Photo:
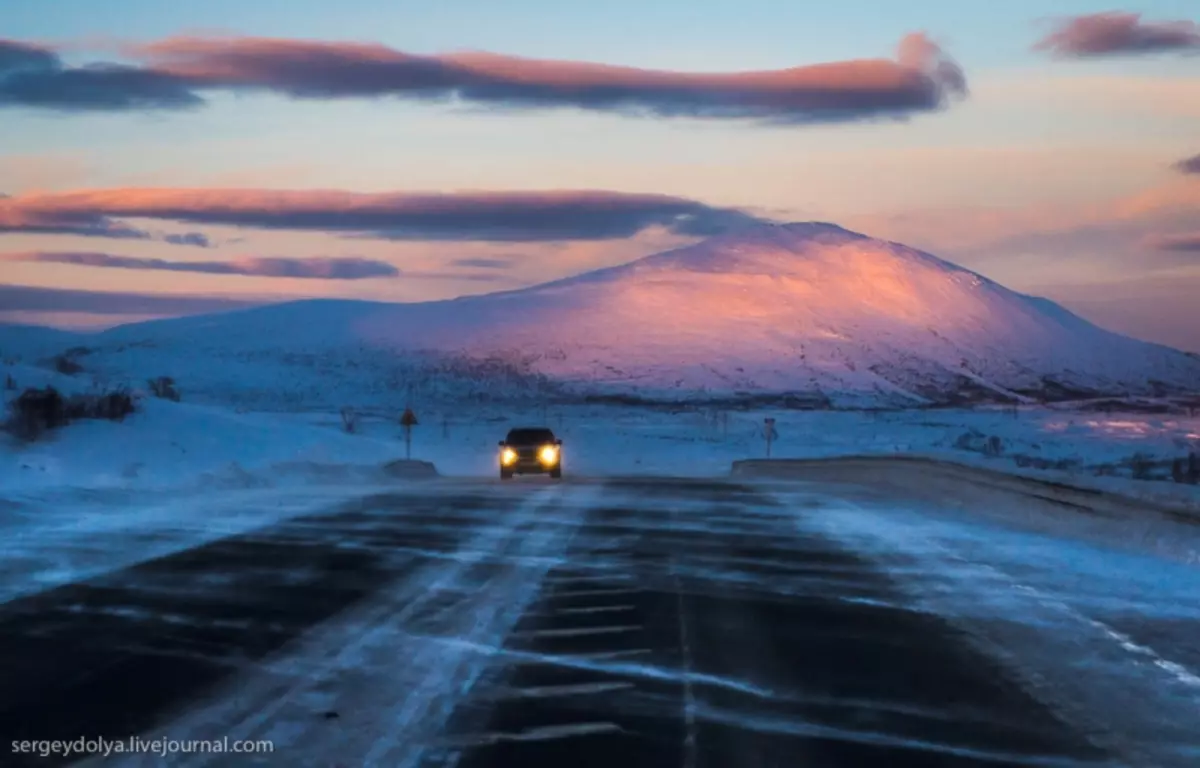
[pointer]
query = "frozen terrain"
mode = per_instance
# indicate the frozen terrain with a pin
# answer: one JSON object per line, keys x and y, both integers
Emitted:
{"x": 97, "y": 494}
{"x": 808, "y": 311}
{"x": 168, "y": 444}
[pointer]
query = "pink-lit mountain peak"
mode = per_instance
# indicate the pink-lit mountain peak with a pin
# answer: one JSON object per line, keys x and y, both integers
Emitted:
{"x": 814, "y": 250}
{"x": 806, "y": 308}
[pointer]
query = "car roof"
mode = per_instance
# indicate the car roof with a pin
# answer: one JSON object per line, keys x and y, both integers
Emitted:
{"x": 531, "y": 433}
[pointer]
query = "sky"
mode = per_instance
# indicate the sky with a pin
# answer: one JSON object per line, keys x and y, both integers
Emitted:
{"x": 161, "y": 158}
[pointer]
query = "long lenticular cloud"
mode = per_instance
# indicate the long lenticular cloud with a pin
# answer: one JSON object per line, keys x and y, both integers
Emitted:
{"x": 175, "y": 72}
{"x": 469, "y": 216}
{"x": 317, "y": 268}
{"x": 15, "y": 219}
{"x": 1115, "y": 33}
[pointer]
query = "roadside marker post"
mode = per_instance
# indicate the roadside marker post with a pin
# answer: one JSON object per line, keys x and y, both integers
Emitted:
{"x": 769, "y": 433}
{"x": 408, "y": 420}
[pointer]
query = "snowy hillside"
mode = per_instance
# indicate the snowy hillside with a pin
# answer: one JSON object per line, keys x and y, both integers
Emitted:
{"x": 809, "y": 310}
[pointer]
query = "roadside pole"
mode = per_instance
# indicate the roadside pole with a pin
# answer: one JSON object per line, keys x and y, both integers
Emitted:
{"x": 408, "y": 420}
{"x": 769, "y": 433}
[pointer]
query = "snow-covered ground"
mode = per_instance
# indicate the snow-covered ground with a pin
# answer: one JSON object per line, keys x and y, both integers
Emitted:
{"x": 169, "y": 444}
{"x": 176, "y": 444}
{"x": 176, "y": 474}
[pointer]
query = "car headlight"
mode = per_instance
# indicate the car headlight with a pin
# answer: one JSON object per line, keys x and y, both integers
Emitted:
{"x": 549, "y": 454}
{"x": 508, "y": 456}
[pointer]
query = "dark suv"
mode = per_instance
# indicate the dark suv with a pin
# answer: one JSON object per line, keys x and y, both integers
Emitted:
{"x": 530, "y": 451}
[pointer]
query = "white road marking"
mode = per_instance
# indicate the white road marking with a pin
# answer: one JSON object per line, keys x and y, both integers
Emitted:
{"x": 689, "y": 694}
{"x": 548, "y": 733}
{"x": 580, "y": 631}
{"x": 554, "y": 691}
{"x": 625, "y": 669}
{"x": 602, "y": 655}
{"x": 685, "y": 652}
{"x": 589, "y": 577}
{"x": 1181, "y": 673}
{"x": 593, "y": 593}
{"x": 598, "y": 609}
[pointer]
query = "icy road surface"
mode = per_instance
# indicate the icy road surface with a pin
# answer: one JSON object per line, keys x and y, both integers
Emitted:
{"x": 626, "y": 622}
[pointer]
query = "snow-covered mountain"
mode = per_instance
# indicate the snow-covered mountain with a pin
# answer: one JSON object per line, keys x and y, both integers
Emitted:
{"x": 808, "y": 310}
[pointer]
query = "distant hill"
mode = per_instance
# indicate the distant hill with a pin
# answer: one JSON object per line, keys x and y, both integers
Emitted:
{"x": 810, "y": 312}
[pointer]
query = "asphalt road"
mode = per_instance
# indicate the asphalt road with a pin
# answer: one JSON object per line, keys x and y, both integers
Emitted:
{"x": 624, "y": 623}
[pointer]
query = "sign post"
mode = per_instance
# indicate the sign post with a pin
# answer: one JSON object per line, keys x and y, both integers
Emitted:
{"x": 769, "y": 433}
{"x": 408, "y": 420}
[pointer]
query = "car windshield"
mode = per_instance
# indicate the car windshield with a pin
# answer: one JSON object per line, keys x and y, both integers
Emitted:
{"x": 529, "y": 436}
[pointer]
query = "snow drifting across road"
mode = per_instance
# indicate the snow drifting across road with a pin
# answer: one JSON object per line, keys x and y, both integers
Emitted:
{"x": 71, "y": 537}
{"x": 441, "y": 622}
{"x": 1062, "y": 611}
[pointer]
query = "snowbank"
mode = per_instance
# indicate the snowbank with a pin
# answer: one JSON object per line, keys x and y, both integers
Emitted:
{"x": 170, "y": 444}
{"x": 957, "y": 492}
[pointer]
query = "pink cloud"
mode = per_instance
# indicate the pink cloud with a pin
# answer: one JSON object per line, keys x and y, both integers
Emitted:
{"x": 175, "y": 72}
{"x": 1119, "y": 33}
{"x": 479, "y": 216}
{"x": 14, "y": 218}
{"x": 921, "y": 78}
{"x": 316, "y": 268}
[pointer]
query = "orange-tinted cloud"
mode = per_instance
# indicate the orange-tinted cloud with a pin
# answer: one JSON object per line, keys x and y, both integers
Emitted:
{"x": 920, "y": 78}
{"x": 477, "y": 216}
{"x": 175, "y": 72}
{"x": 317, "y": 268}
{"x": 1117, "y": 33}
{"x": 16, "y": 219}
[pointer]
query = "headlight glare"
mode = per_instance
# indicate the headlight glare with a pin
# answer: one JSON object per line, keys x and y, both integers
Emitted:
{"x": 549, "y": 454}
{"x": 508, "y": 456}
